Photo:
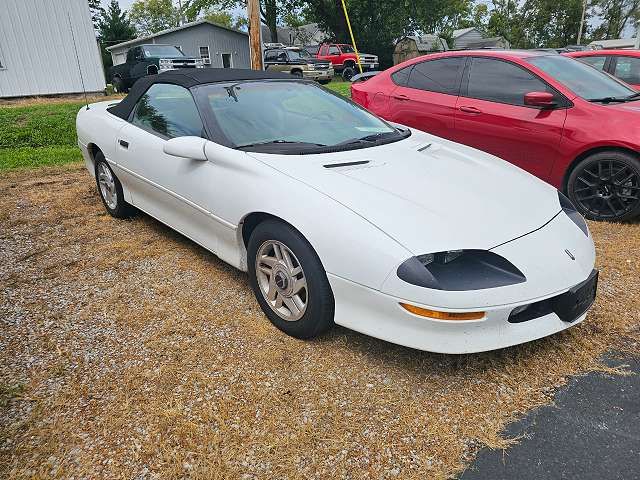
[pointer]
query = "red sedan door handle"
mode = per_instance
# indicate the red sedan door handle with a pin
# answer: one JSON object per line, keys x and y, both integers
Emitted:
{"x": 473, "y": 110}
{"x": 401, "y": 97}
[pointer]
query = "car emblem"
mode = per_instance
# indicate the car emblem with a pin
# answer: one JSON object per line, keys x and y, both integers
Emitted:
{"x": 570, "y": 254}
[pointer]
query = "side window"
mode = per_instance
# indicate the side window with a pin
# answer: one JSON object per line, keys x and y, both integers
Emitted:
{"x": 628, "y": 69}
{"x": 441, "y": 76}
{"x": 595, "y": 61}
{"x": 282, "y": 56}
{"x": 503, "y": 82}
{"x": 334, "y": 50}
{"x": 401, "y": 76}
{"x": 271, "y": 56}
{"x": 131, "y": 55}
{"x": 169, "y": 111}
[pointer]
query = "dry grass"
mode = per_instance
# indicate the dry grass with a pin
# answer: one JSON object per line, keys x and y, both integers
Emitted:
{"x": 129, "y": 352}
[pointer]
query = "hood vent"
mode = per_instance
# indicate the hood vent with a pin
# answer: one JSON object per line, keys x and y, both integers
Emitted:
{"x": 424, "y": 147}
{"x": 346, "y": 164}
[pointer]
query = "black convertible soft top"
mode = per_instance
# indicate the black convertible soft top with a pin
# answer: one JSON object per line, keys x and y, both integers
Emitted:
{"x": 191, "y": 78}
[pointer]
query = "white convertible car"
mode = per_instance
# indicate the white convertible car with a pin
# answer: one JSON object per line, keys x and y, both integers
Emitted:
{"x": 340, "y": 217}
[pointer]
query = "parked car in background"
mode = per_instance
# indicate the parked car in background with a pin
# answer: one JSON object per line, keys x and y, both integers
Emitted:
{"x": 340, "y": 217}
{"x": 344, "y": 59}
{"x": 298, "y": 62}
{"x": 149, "y": 59}
{"x": 561, "y": 120}
{"x": 624, "y": 64}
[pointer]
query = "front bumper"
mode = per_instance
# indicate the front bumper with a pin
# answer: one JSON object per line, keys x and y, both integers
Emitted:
{"x": 380, "y": 315}
{"x": 318, "y": 74}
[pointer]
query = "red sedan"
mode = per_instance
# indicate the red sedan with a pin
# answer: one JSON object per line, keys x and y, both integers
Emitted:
{"x": 559, "y": 119}
{"x": 624, "y": 64}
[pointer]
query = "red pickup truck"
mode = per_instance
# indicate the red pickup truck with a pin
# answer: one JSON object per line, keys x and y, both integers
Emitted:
{"x": 344, "y": 60}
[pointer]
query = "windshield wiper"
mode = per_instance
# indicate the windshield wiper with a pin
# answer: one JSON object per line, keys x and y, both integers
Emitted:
{"x": 616, "y": 99}
{"x": 279, "y": 142}
{"x": 366, "y": 139}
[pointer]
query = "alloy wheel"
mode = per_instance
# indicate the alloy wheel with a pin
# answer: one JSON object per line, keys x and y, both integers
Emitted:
{"x": 607, "y": 188}
{"x": 281, "y": 280}
{"x": 107, "y": 186}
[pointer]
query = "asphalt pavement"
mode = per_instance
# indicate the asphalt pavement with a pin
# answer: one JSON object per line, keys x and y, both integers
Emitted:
{"x": 592, "y": 431}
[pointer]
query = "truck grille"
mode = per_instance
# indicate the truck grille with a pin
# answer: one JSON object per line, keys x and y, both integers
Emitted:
{"x": 322, "y": 66}
{"x": 187, "y": 63}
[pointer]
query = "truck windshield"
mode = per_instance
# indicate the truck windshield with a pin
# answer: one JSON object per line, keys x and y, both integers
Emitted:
{"x": 584, "y": 80}
{"x": 291, "y": 117}
{"x": 298, "y": 54}
{"x": 165, "y": 51}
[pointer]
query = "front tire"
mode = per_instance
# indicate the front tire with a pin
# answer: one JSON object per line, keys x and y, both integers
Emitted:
{"x": 110, "y": 190}
{"x": 606, "y": 186}
{"x": 348, "y": 72}
{"x": 118, "y": 85}
{"x": 289, "y": 281}
{"x": 324, "y": 82}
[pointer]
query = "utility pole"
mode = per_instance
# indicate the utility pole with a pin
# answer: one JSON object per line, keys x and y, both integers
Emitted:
{"x": 584, "y": 10}
{"x": 637, "y": 42}
{"x": 255, "y": 43}
{"x": 181, "y": 17}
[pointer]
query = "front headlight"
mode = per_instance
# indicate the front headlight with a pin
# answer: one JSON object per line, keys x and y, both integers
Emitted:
{"x": 572, "y": 213}
{"x": 311, "y": 66}
{"x": 459, "y": 270}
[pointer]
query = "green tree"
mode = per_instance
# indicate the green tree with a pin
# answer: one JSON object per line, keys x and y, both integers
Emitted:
{"x": 550, "y": 23}
{"x": 151, "y": 16}
{"x": 96, "y": 12}
{"x": 113, "y": 28}
{"x": 616, "y": 15}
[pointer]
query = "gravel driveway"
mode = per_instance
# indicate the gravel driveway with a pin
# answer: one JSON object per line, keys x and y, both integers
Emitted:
{"x": 127, "y": 351}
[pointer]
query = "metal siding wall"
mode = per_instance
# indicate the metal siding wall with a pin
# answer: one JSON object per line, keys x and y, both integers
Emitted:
{"x": 37, "y": 48}
{"x": 190, "y": 39}
{"x": 464, "y": 40}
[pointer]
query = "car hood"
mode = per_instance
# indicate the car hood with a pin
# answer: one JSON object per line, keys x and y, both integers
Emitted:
{"x": 427, "y": 193}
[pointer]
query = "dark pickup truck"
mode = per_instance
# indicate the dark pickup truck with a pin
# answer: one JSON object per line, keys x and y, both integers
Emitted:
{"x": 150, "y": 59}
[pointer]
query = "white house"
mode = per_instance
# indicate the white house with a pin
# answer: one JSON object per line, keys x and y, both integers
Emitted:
{"x": 38, "y": 44}
{"x": 463, "y": 36}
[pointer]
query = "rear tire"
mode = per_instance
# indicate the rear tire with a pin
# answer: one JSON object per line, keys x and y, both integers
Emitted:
{"x": 606, "y": 186}
{"x": 289, "y": 281}
{"x": 297, "y": 73}
{"x": 110, "y": 190}
{"x": 324, "y": 82}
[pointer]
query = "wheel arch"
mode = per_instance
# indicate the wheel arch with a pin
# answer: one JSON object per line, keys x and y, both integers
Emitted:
{"x": 592, "y": 151}
{"x": 296, "y": 70}
{"x": 152, "y": 69}
{"x": 93, "y": 150}
{"x": 250, "y": 221}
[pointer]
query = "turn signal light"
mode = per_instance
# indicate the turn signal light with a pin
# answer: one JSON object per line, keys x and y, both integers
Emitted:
{"x": 436, "y": 315}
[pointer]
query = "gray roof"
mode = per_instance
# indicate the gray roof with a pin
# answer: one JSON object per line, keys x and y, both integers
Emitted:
{"x": 175, "y": 29}
{"x": 461, "y": 31}
{"x": 428, "y": 42}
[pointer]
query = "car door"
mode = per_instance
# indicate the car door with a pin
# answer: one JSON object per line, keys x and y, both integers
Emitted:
{"x": 176, "y": 191}
{"x": 626, "y": 69}
{"x": 426, "y": 94}
{"x": 273, "y": 60}
{"x": 491, "y": 115}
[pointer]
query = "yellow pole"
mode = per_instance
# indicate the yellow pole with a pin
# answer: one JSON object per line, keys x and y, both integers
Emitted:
{"x": 353, "y": 40}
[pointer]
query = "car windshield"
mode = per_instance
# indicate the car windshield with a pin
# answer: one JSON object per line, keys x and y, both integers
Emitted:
{"x": 292, "y": 117}
{"x": 347, "y": 49}
{"x": 584, "y": 80}
{"x": 166, "y": 51}
{"x": 299, "y": 54}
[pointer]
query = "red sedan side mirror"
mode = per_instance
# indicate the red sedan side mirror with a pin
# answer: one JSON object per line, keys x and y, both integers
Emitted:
{"x": 539, "y": 99}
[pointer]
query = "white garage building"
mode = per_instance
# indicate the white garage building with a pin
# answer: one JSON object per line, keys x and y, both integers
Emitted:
{"x": 37, "y": 54}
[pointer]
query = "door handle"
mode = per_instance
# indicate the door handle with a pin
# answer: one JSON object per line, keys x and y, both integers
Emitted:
{"x": 400, "y": 97}
{"x": 473, "y": 110}
{"x": 123, "y": 143}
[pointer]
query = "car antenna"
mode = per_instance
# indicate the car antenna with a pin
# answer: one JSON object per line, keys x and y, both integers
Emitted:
{"x": 75, "y": 48}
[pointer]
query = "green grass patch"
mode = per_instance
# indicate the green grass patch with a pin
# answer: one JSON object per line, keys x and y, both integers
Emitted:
{"x": 27, "y": 157}
{"x": 38, "y": 135}
{"x": 341, "y": 87}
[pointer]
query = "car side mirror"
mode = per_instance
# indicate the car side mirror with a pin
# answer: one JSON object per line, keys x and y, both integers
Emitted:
{"x": 186, "y": 147}
{"x": 540, "y": 99}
